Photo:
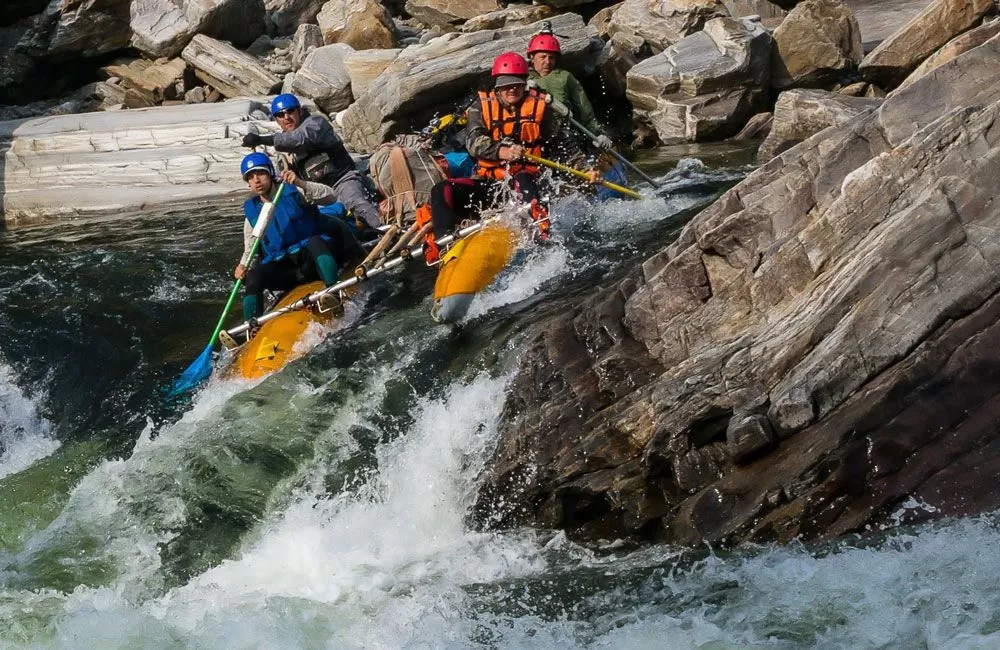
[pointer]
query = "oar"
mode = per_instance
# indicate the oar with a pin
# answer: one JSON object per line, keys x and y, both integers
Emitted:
{"x": 584, "y": 175}
{"x": 564, "y": 111}
{"x": 201, "y": 368}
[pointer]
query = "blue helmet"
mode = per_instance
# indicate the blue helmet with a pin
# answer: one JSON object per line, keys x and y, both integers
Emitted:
{"x": 254, "y": 161}
{"x": 284, "y": 102}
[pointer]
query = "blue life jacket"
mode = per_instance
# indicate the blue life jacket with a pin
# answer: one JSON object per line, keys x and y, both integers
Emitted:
{"x": 461, "y": 164}
{"x": 614, "y": 175}
{"x": 292, "y": 224}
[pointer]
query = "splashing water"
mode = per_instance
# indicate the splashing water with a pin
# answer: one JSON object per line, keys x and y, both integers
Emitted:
{"x": 25, "y": 436}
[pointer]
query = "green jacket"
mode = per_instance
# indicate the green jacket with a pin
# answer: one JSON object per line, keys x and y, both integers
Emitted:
{"x": 563, "y": 86}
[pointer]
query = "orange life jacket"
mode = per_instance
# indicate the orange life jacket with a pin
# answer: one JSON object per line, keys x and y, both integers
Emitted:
{"x": 521, "y": 126}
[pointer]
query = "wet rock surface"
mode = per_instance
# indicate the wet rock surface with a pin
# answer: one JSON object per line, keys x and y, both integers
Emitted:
{"x": 817, "y": 348}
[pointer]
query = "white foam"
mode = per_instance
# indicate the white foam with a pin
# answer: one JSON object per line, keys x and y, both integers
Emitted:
{"x": 25, "y": 436}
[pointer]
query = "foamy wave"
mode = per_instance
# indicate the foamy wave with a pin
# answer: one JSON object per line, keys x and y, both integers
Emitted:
{"x": 25, "y": 436}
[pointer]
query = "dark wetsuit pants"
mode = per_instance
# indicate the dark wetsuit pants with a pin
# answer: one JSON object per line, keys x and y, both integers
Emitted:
{"x": 315, "y": 261}
{"x": 455, "y": 199}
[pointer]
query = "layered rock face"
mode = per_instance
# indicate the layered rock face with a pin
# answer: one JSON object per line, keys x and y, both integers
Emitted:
{"x": 818, "y": 347}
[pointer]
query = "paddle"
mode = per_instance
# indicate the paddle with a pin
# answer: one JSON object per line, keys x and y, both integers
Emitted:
{"x": 584, "y": 175}
{"x": 564, "y": 111}
{"x": 201, "y": 368}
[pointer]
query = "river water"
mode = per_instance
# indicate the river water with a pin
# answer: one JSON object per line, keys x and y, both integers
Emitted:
{"x": 325, "y": 507}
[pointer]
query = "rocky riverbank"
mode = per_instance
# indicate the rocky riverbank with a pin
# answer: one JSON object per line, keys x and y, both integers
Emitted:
{"x": 816, "y": 353}
{"x": 683, "y": 71}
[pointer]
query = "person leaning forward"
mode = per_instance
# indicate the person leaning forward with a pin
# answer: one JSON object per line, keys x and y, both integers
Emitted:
{"x": 504, "y": 125}
{"x": 317, "y": 155}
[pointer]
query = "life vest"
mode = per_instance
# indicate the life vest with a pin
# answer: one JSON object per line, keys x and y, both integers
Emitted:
{"x": 522, "y": 126}
{"x": 292, "y": 224}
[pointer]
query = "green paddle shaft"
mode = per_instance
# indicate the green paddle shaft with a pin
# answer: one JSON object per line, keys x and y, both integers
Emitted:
{"x": 580, "y": 174}
{"x": 239, "y": 282}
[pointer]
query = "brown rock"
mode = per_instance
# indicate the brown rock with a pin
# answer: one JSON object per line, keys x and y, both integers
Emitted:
{"x": 956, "y": 46}
{"x": 897, "y": 56}
{"x": 445, "y": 13}
{"x": 226, "y": 69}
{"x": 817, "y": 43}
{"x": 362, "y": 24}
{"x": 800, "y": 114}
{"x": 661, "y": 23}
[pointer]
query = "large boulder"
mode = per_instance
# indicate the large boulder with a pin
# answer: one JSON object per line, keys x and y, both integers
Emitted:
{"x": 661, "y": 23}
{"x": 620, "y": 55}
{"x": 446, "y": 13}
{"x": 362, "y": 24}
{"x": 233, "y": 73}
{"x": 816, "y": 348}
{"x": 72, "y": 166}
{"x": 800, "y": 114}
{"x": 151, "y": 83}
{"x": 817, "y": 43}
{"x": 323, "y": 77}
{"x": 306, "y": 39}
{"x": 425, "y": 77}
{"x": 165, "y": 27}
{"x": 707, "y": 85}
{"x": 897, "y": 56}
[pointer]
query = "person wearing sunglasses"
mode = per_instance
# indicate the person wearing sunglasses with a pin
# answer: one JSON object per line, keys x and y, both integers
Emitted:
{"x": 315, "y": 153}
{"x": 505, "y": 124}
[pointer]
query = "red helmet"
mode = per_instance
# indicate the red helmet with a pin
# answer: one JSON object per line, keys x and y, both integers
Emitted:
{"x": 510, "y": 63}
{"x": 544, "y": 43}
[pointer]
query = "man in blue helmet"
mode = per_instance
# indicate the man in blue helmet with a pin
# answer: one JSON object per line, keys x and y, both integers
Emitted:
{"x": 295, "y": 246}
{"x": 315, "y": 153}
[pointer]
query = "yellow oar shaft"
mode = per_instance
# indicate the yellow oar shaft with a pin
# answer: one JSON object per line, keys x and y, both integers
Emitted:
{"x": 580, "y": 174}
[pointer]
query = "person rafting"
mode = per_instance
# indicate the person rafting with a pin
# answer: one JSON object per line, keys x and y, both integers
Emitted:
{"x": 295, "y": 246}
{"x": 544, "y": 52}
{"x": 315, "y": 152}
{"x": 506, "y": 123}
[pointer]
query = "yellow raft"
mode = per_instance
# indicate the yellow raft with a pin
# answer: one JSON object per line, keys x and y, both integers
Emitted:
{"x": 275, "y": 343}
{"x": 470, "y": 266}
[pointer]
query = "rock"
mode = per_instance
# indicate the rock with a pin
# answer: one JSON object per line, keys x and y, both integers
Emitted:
{"x": 195, "y": 96}
{"x": 799, "y": 114}
{"x": 847, "y": 294}
{"x": 86, "y": 29}
{"x": 956, "y": 46}
{"x": 707, "y": 85}
{"x": 897, "y": 56}
{"x": 73, "y": 166}
{"x": 365, "y": 66}
{"x": 323, "y": 78}
{"x": 819, "y": 42}
{"x": 165, "y": 27}
{"x": 231, "y": 72}
{"x": 509, "y": 16}
{"x": 758, "y": 127}
{"x": 426, "y": 77}
{"x": 362, "y": 24}
{"x": 154, "y": 82}
{"x": 307, "y": 38}
{"x": 768, "y": 12}
{"x": 661, "y": 23}
{"x": 444, "y": 13}
{"x": 286, "y": 16}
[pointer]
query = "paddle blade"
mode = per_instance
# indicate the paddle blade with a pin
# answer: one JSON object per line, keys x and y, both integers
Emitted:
{"x": 197, "y": 372}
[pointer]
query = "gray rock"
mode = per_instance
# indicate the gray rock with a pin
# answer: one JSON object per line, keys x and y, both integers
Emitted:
{"x": 323, "y": 78}
{"x": 307, "y": 38}
{"x": 365, "y": 66}
{"x": 707, "y": 85}
{"x": 445, "y": 13}
{"x": 956, "y": 46}
{"x": 799, "y": 114}
{"x": 285, "y": 16}
{"x": 514, "y": 14}
{"x": 74, "y": 166}
{"x": 165, "y": 27}
{"x": 228, "y": 70}
{"x": 748, "y": 435}
{"x": 661, "y": 23}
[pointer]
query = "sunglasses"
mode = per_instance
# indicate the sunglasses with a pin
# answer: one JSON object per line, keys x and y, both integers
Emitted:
{"x": 283, "y": 114}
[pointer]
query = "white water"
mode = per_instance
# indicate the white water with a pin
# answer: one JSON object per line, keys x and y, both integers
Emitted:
{"x": 25, "y": 436}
